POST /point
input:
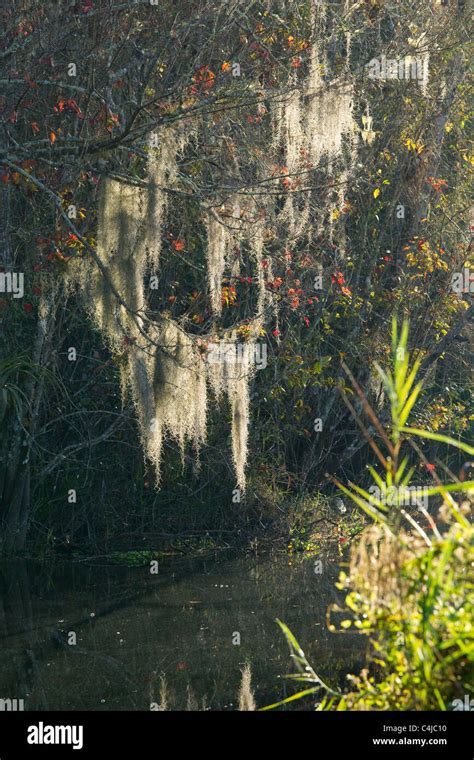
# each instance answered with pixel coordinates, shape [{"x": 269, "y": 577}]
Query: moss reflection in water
[{"x": 185, "y": 638}]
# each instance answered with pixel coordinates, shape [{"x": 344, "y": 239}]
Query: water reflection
[{"x": 132, "y": 628}]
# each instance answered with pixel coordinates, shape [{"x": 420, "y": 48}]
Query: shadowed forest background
[{"x": 218, "y": 209}]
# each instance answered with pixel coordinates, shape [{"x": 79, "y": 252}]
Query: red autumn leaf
[
  {"x": 338, "y": 277},
  {"x": 437, "y": 184},
  {"x": 27, "y": 307},
  {"x": 35, "y": 127},
  {"x": 203, "y": 79},
  {"x": 179, "y": 244}
]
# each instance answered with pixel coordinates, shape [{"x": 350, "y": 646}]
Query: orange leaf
[
  {"x": 52, "y": 137},
  {"x": 179, "y": 244}
]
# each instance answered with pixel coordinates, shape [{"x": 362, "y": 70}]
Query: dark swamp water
[{"x": 133, "y": 628}]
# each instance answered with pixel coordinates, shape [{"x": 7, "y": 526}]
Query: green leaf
[
  {"x": 300, "y": 694},
  {"x": 302, "y": 663},
  {"x": 401, "y": 469},
  {"x": 376, "y": 476},
  {"x": 363, "y": 505},
  {"x": 409, "y": 404},
  {"x": 467, "y": 485},
  {"x": 441, "y": 438},
  {"x": 409, "y": 382},
  {"x": 408, "y": 476},
  {"x": 368, "y": 497}
]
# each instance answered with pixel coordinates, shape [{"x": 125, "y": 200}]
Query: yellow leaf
[{"x": 376, "y": 192}]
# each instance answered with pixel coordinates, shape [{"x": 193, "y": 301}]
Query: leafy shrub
[{"x": 410, "y": 591}]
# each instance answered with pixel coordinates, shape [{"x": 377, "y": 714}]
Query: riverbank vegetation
[{"x": 409, "y": 583}]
